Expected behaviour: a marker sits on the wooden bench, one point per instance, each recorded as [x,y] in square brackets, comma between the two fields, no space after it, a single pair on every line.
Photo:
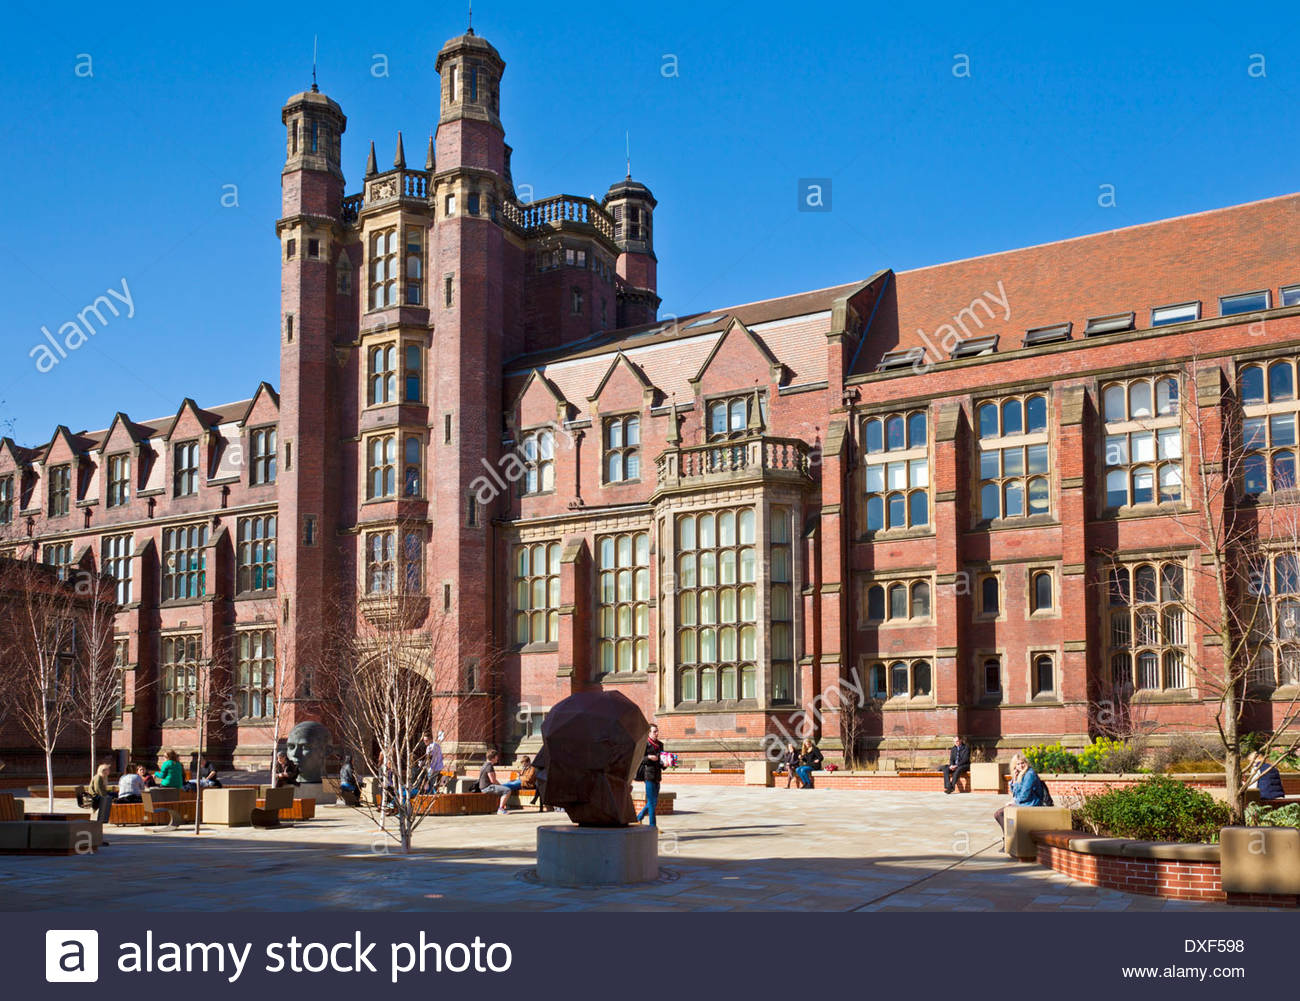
[299,809]
[11,808]
[456,804]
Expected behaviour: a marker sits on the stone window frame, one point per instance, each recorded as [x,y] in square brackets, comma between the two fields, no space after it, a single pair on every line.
[6,499]
[912,457]
[690,618]
[1162,426]
[529,608]
[882,672]
[1036,692]
[179,676]
[255,552]
[59,490]
[383,274]
[1270,411]
[185,468]
[537,452]
[1132,640]
[118,480]
[1027,443]
[1032,574]
[413,260]
[983,659]
[192,539]
[611,566]
[379,452]
[979,594]
[909,584]
[625,423]
[255,688]
[121,664]
[57,555]
[116,553]
[262,453]
[1279,587]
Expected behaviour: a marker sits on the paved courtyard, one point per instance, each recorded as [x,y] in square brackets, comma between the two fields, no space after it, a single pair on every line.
[725,849]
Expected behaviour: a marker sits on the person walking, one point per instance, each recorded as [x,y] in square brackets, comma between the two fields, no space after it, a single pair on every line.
[810,760]
[651,773]
[958,763]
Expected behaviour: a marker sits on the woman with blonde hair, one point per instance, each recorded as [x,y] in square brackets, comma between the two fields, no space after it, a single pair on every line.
[101,799]
[810,760]
[1026,787]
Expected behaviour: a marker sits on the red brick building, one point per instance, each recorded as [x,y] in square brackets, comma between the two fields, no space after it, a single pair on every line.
[962,484]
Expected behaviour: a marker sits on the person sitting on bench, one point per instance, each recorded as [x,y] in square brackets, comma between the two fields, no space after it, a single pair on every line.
[1265,777]
[349,791]
[958,763]
[130,786]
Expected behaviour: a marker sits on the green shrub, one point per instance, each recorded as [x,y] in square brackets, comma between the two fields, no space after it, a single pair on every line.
[1158,809]
[1051,758]
[1259,815]
[1203,766]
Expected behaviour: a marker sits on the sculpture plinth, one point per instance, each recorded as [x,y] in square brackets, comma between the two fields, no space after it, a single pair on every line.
[597,856]
[592,743]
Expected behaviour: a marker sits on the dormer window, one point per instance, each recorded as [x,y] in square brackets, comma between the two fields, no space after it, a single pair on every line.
[185,474]
[1291,295]
[60,490]
[973,347]
[904,358]
[1047,335]
[119,480]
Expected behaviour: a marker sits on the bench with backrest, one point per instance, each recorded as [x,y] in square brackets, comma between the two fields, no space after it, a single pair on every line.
[176,806]
[11,808]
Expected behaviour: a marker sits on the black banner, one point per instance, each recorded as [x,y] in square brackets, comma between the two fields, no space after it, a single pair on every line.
[487,955]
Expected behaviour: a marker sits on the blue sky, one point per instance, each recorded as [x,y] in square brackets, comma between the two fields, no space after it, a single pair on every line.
[121,174]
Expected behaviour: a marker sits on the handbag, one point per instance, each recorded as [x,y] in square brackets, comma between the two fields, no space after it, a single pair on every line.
[640,772]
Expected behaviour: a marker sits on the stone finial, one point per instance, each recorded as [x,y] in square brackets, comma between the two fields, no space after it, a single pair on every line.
[428,160]
[371,169]
[399,158]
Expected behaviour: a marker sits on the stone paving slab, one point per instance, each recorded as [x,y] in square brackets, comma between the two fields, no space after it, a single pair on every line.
[747,849]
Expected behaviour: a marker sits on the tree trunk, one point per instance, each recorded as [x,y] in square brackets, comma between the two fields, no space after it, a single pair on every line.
[92,751]
[1232,759]
[49,776]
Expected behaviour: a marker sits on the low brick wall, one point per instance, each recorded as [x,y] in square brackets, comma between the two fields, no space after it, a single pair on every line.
[909,781]
[1168,878]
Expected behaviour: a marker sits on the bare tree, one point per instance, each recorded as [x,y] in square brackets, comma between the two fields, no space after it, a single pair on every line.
[40,641]
[1242,587]
[391,675]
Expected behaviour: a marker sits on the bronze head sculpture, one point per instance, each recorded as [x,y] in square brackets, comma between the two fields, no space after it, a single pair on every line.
[307,745]
[592,743]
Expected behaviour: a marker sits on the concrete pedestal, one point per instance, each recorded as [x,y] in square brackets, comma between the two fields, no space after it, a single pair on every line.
[759,773]
[569,855]
[315,790]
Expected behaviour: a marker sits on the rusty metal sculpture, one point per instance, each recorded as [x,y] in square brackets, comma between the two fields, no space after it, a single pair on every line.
[592,743]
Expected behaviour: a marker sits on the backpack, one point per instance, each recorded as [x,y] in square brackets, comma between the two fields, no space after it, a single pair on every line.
[1047,796]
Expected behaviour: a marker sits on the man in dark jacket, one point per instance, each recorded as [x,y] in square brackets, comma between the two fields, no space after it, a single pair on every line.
[958,763]
[1266,777]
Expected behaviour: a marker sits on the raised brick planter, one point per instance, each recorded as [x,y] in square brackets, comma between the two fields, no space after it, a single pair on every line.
[1171,871]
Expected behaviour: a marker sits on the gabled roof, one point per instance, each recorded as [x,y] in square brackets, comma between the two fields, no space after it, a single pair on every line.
[263,387]
[206,418]
[137,432]
[632,367]
[77,444]
[536,376]
[21,456]
[771,359]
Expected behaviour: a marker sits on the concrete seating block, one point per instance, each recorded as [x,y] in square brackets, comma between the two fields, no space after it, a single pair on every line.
[1172,851]
[988,776]
[1260,859]
[64,836]
[277,799]
[1022,821]
[759,773]
[231,807]
[13,835]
